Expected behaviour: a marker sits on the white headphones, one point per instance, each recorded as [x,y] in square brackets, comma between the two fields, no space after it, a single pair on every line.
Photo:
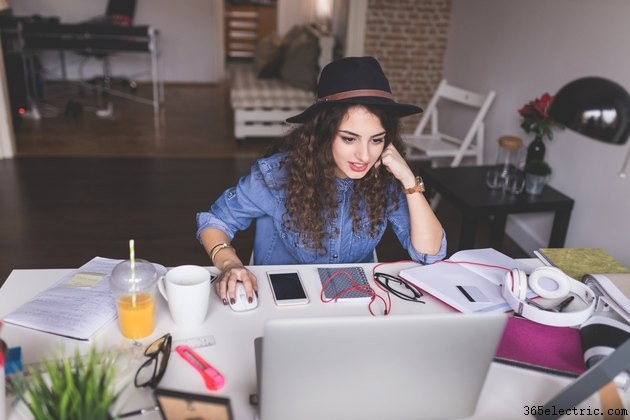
[515,293]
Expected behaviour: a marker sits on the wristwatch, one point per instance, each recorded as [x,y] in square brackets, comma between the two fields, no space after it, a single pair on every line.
[419,187]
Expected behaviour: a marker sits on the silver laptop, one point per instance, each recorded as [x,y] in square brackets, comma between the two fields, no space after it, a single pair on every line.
[394,367]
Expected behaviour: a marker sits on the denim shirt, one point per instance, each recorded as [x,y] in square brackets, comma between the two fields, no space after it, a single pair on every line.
[260,196]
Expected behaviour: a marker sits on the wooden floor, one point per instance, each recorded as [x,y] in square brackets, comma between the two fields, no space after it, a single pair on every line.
[196,121]
[82,187]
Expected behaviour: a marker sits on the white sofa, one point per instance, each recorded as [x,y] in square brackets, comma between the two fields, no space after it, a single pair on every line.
[261,106]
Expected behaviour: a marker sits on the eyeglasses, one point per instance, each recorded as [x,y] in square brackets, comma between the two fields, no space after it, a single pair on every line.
[151,372]
[398,287]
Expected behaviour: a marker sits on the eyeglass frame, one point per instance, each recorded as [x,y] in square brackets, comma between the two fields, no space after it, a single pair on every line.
[417,294]
[164,346]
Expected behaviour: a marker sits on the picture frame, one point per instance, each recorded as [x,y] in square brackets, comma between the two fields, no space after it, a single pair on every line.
[177,405]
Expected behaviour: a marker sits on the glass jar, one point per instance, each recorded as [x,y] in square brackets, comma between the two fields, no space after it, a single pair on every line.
[509,155]
[508,162]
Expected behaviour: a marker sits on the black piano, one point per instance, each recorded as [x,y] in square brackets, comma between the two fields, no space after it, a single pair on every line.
[87,37]
[30,34]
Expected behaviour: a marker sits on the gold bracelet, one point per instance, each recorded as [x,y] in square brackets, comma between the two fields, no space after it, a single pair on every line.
[218,245]
[217,248]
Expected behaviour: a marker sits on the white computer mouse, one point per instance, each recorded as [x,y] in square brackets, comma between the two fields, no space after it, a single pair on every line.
[241,304]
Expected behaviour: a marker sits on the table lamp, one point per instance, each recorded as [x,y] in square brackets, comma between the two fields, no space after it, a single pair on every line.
[599,109]
[596,107]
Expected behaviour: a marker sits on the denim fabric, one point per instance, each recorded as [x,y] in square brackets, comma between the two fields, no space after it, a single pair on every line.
[260,196]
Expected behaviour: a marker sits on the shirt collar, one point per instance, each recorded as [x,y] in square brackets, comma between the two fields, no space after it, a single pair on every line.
[345,184]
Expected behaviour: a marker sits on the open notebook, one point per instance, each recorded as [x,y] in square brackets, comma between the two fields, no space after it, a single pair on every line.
[464,286]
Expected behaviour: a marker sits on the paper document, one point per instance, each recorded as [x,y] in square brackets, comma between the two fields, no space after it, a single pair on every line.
[613,292]
[467,287]
[77,306]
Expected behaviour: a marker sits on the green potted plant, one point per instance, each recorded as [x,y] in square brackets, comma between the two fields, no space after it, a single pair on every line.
[536,173]
[72,388]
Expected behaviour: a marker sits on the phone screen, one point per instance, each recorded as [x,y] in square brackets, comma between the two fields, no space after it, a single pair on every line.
[287,286]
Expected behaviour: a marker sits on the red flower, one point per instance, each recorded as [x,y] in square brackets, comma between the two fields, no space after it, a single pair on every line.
[535,117]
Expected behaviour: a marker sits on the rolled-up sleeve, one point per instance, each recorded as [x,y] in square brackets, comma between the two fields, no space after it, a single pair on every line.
[426,258]
[399,220]
[235,209]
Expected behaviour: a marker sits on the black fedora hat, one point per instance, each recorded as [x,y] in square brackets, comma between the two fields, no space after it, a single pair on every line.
[354,80]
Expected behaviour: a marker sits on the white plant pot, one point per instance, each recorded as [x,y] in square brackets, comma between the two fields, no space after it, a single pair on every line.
[535,183]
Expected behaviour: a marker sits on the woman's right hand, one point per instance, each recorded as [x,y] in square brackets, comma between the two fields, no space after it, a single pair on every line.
[225,285]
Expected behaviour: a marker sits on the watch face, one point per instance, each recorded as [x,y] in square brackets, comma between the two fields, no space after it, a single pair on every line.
[420,184]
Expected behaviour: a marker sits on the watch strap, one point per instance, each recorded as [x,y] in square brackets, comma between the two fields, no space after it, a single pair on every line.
[419,187]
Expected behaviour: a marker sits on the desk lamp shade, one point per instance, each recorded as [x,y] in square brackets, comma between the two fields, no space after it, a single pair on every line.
[595,107]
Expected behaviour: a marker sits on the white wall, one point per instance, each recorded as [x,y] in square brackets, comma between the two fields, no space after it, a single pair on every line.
[190,49]
[7,139]
[522,49]
[191,37]
[291,12]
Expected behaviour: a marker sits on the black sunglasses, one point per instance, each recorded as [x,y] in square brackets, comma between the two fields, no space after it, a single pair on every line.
[398,287]
[150,373]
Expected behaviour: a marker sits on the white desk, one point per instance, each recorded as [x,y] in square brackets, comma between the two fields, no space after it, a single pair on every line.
[508,390]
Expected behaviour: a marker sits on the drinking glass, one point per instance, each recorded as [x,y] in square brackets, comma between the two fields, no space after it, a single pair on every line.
[494,179]
[134,287]
[515,183]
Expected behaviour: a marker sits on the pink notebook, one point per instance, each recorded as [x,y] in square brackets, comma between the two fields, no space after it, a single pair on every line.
[541,347]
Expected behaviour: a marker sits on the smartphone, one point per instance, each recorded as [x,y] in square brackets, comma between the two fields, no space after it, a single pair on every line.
[287,288]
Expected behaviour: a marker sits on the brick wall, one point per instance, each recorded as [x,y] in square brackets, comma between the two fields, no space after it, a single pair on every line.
[409,37]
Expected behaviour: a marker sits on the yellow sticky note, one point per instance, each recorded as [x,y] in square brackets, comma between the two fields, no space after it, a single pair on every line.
[83,280]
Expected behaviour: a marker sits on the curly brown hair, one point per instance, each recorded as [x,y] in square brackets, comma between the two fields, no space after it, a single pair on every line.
[311,181]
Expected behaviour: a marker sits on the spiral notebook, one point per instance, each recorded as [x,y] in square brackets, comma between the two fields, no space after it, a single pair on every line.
[341,286]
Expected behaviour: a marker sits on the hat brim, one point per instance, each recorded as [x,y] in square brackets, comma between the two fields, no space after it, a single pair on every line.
[401,110]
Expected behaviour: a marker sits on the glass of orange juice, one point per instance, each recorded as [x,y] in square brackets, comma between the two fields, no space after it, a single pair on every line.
[134,286]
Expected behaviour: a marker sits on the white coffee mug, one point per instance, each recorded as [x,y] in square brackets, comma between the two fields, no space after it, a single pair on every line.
[186,288]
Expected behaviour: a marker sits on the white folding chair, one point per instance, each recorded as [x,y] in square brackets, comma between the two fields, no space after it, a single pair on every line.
[436,144]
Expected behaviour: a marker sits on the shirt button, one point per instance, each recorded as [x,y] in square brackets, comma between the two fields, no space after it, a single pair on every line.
[335,256]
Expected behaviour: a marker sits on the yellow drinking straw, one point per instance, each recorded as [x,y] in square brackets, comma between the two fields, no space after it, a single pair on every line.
[132,262]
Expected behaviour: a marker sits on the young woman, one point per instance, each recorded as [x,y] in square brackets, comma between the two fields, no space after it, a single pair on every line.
[330,188]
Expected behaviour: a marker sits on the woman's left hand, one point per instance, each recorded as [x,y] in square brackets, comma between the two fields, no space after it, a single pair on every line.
[396,164]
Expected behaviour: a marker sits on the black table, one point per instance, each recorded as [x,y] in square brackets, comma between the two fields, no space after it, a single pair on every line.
[465,188]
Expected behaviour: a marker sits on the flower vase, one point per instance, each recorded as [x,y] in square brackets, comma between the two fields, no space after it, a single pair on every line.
[535,150]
